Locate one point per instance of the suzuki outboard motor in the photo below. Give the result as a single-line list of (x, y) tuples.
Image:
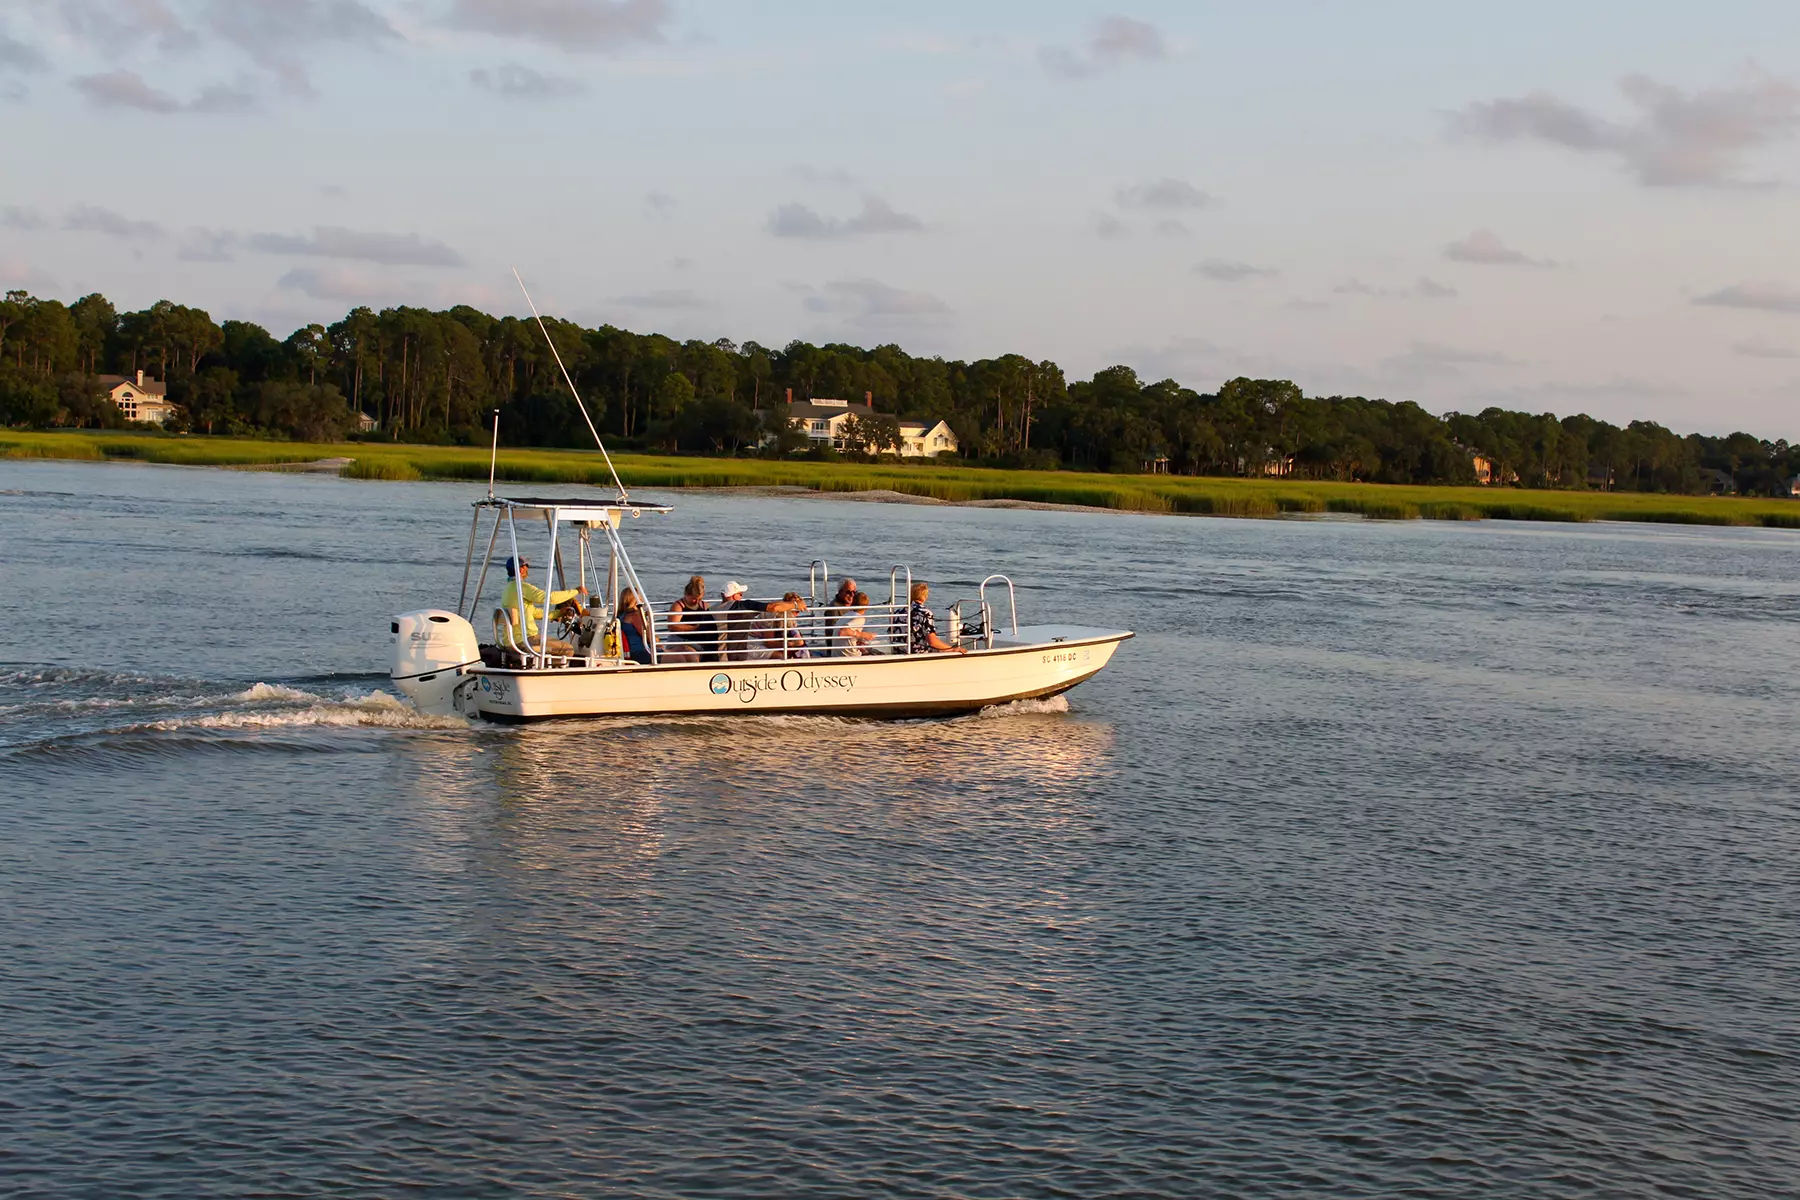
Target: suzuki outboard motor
[(431, 648)]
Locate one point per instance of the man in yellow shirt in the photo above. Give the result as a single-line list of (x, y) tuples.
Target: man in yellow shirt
[(524, 616)]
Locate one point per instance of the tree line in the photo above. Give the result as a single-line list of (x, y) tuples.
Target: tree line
[(430, 376)]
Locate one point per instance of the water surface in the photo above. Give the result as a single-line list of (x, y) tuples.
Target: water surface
[(1390, 858)]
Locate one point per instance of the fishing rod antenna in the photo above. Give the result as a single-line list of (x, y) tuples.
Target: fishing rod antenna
[(494, 454), (573, 391)]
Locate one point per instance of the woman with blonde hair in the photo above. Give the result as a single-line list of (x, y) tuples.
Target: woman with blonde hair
[(922, 634)]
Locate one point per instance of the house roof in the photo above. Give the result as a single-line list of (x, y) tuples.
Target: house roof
[(150, 387), (807, 409)]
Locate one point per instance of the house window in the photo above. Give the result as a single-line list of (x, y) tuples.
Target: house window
[(821, 426)]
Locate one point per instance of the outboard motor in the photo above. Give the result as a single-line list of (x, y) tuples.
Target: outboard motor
[(431, 648)]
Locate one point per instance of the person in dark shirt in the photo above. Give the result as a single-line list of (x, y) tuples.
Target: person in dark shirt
[(739, 617), (694, 624), (922, 635)]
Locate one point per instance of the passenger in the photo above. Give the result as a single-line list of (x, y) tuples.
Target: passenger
[(524, 615), (922, 635), (698, 632), (742, 628), (785, 639), (846, 593), (848, 637), (632, 629)]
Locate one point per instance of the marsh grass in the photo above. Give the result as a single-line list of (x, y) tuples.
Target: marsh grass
[(1131, 493), (391, 469)]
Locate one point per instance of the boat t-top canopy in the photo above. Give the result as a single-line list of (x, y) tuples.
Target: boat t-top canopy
[(579, 510)]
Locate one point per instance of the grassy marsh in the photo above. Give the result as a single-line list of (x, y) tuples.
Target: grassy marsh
[(1132, 493)]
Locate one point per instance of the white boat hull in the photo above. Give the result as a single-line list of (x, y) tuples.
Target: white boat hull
[(1035, 662)]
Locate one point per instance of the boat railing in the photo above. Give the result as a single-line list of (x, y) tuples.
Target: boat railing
[(1012, 600), (751, 635)]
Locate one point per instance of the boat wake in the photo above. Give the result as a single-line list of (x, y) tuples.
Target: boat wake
[(90, 714), (1020, 708), (377, 710)]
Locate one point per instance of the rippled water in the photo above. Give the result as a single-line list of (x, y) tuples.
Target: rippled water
[(1389, 859)]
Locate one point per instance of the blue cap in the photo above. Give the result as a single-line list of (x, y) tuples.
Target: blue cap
[(512, 566)]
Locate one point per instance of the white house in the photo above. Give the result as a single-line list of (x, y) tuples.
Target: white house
[(926, 439), (145, 401), (823, 420)]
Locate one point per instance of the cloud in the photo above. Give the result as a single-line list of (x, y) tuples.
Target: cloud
[(1485, 247), (16, 56), (124, 89), (1186, 359), (27, 220), (1675, 139), (659, 204), (1163, 195), (17, 273), (339, 284), (1113, 42), (1108, 227), (577, 25), (1225, 270), (224, 98), (664, 299), (796, 220), (84, 218), (1424, 289), (127, 89), (1170, 227), (865, 301), (125, 26), (1756, 347), (510, 81), (821, 176), (272, 33), (208, 246), (388, 249), (1762, 295)]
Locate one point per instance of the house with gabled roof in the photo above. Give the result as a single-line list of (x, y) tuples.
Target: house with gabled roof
[(145, 401), (823, 419)]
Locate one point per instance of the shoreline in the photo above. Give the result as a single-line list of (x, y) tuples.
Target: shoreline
[(919, 484)]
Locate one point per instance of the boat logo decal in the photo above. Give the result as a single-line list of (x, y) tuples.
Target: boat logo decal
[(749, 686)]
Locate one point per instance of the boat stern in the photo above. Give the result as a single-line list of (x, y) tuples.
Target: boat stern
[(431, 650)]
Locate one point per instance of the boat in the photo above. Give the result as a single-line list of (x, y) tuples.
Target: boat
[(575, 658), (748, 661)]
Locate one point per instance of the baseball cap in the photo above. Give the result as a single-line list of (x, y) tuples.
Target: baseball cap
[(733, 588)]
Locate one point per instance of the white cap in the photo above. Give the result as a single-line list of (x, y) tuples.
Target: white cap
[(733, 588)]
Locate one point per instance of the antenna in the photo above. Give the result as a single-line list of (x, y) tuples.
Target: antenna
[(571, 382), (494, 454)]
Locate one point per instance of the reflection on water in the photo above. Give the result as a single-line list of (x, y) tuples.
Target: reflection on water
[(1389, 859)]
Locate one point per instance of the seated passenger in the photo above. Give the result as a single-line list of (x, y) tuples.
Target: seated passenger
[(848, 636), (699, 631), (792, 606), (744, 633), (845, 594), (922, 635), (631, 628), (524, 603)]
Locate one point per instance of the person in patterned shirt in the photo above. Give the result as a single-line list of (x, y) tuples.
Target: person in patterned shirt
[(922, 626)]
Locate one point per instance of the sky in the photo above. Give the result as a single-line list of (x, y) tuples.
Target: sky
[(1583, 206)]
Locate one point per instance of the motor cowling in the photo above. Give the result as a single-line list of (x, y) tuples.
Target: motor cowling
[(431, 648)]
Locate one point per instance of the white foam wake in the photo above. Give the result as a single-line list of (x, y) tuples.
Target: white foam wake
[(377, 710), (1052, 704)]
